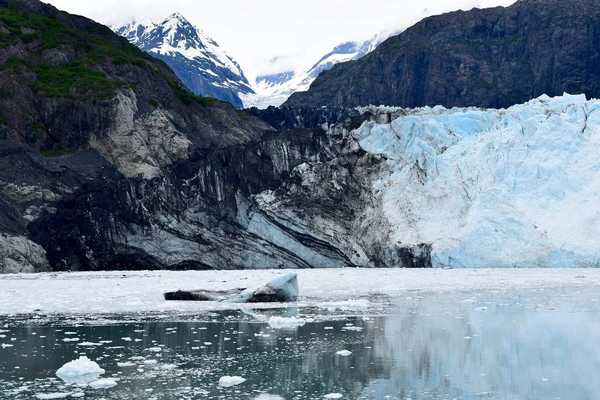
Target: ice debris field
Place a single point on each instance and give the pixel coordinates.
(133, 292)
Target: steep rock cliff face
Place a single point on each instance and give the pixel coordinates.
(494, 57)
(83, 114)
(294, 199)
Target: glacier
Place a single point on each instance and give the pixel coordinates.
(516, 187)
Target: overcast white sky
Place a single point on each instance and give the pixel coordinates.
(255, 32)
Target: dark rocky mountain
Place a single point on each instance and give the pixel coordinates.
(489, 58)
(201, 64)
(108, 162)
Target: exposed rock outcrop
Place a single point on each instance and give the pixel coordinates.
(19, 254)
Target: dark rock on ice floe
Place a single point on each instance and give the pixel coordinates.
(280, 290)
(201, 295)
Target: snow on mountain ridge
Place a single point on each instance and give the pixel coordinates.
(272, 90)
(195, 57)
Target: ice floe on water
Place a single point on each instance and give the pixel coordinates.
(126, 364)
(104, 383)
(230, 381)
(266, 396)
(286, 323)
(83, 372)
(344, 353)
(80, 371)
(52, 396)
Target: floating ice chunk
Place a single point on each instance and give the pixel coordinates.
(229, 381)
(154, 349)
(344, 353)
(89, 344)
(105, 383)
(6, 345)
(333, 396)
(352, 328)
(126, 364)
(50, 396)
(286, 323)
(280, 290)
(80, 371)
(266, 396)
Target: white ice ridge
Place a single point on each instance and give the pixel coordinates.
(494, 188)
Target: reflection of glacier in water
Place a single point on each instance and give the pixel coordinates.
(515, 345)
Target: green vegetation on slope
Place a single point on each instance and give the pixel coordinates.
(90, 49)
(75, 77)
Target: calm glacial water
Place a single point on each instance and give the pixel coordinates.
(516, 345)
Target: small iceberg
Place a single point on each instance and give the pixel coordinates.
(286, 323)
(229, 381)
(344, 353)
(52, 396)
(282, 289)
(105, 383)
(80, 371)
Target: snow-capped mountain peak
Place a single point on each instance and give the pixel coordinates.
(196, 58)
(344, 52)
(274, 89)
